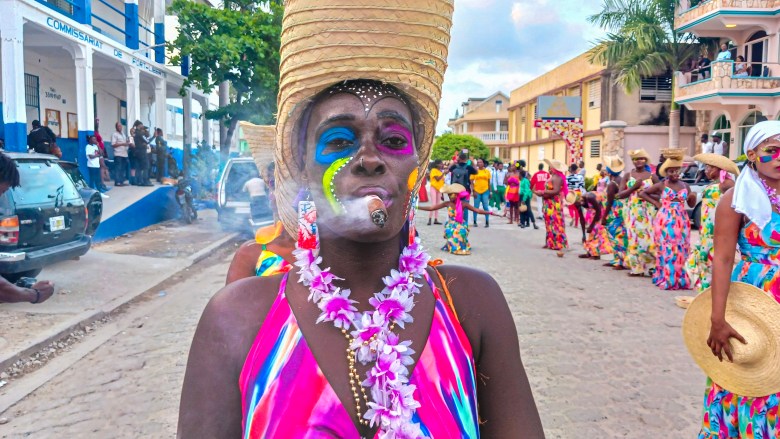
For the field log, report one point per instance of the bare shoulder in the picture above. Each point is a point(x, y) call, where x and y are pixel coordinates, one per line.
point(244, 302)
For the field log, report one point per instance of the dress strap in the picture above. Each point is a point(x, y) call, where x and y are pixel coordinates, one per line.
point(433, 264)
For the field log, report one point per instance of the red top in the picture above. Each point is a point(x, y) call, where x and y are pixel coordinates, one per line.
point(539, 180)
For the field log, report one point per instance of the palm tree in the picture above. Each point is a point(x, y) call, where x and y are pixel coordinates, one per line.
point(641, 42)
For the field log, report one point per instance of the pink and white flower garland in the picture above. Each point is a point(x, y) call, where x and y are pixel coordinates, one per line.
point(392, 402)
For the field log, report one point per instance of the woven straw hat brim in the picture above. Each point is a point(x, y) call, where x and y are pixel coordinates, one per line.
point(615, 164)
point(718, 161)
point(671, 163)
point(639, 154)
point(403, 43)
point(555, 164)
point(454, 188)
point(571, 197)
point(673, 153)
point(261, 140)
point(754, 314)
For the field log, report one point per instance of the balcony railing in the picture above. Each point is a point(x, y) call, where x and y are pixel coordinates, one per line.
point(724, 76)
point(691, 11)
point(492, 136)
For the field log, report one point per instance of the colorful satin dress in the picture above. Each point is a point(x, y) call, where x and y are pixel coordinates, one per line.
point(673, 234)
point(598, 242)
point(456, 234)
point(727, 415)
point(285, 395)
point(638, 217)
point(617, 234)
point(269, 264)
point(554, 224)
point(699, 265)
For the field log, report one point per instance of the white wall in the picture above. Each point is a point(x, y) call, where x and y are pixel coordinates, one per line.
point(57, 90)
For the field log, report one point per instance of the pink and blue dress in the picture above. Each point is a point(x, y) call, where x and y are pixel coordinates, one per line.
point(673, 234)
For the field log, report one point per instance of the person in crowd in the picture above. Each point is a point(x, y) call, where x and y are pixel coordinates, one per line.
point(104, 174)
point(461, 172)
point(132, 162)
point(554, 193)
point(724, 54)
point(41, 138)
point(120, 144)
point(706, 148)
point(703, 67)
point(721, 172)
point(258, 197)
point(456, 228)
point(436, 183)
point(497, 185)
point(614, 213)
point(575, 181)
point(141, 154)
point(581, 169)
point(92, 152)
point(719, 146)
point(526, 194)
point(595, 238)
point(741, 68)
point(639, 214)
point(173, 166)
point(603, 179)
point(672, 225)
point(747, 216)
point(359, 133)
point(269, 254)
point(160, 150)
point(513, 194)
point(539, 183)
point(481, 190)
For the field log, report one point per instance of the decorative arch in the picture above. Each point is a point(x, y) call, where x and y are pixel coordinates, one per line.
point(570, 130)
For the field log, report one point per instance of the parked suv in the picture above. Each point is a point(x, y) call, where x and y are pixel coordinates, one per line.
point(233, 209)
point(41, 222)
point(91, 197)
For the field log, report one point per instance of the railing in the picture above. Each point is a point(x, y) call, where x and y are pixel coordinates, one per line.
point(492, 136)
point(691, 10)
point(755, 76)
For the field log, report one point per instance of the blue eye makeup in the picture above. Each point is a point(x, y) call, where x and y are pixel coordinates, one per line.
point(334, 144)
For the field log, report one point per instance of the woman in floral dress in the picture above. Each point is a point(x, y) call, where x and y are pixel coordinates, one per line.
point(746, 216)
point(613, 214)
point(721, 171)
point(554, 193)
point(672, 226)
point(597, 240)
point(638, 215)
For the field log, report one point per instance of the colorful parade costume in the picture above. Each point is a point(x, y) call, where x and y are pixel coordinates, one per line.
point(699, 264)
point(638, 219)
point(554, 223)
point(728, 415)
point(672, 231)
point(598, 241)
point(270, 264)
point(456, 233)
point(286, 395)
point(618, 236)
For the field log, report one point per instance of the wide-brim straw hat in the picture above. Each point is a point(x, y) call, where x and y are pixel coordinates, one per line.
point(454, 188)
point(670, 163)
point(555, 164)
point(261, 140)
point(752, 313)
point(673, 153)
point(571, 197)
point(639, 154)
point(403, 43)
point(718, 161)
point(614, 164)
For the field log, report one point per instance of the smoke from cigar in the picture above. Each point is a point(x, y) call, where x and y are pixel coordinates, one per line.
point(377, 210)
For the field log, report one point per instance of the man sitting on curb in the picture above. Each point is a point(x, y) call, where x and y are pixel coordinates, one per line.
point(10, 293)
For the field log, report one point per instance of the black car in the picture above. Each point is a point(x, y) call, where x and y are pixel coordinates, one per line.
point(91, 197)
point(43, 221)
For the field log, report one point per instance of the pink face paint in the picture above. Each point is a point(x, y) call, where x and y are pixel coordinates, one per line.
point(396, 139)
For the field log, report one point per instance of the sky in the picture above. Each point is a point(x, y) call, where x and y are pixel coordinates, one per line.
point(499, 45)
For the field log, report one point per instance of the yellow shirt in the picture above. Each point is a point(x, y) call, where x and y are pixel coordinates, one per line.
point(436, 184)
point(481, 181)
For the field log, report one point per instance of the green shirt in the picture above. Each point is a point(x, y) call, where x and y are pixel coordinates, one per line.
point(525, 190)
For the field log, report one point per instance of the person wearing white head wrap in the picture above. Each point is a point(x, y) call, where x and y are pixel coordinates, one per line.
point(749, 197)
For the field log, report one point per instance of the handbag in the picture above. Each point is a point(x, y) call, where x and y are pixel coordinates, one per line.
point(523, 208)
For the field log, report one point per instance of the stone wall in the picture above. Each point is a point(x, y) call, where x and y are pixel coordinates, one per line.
point(721, 79)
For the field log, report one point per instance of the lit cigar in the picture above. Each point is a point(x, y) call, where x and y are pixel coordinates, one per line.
point(377, 210)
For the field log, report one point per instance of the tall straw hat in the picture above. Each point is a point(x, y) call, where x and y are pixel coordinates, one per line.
point(754, 314)
point(614, 163)
point(555, 164)
point(674, 159)
point(454, 188)
point(718, 161)
point(639, 154)
point(403, 43)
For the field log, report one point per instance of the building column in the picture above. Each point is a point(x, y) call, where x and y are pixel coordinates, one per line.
point(159, 31)
point(186, 101)
point(498, 125)
point(614, 135)
point(85, 110)
point(160, 104)
point(12, 61)
point(133, 95)
point(131, 24)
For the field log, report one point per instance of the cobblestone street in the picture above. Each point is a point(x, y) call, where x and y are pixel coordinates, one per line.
point(603, 351)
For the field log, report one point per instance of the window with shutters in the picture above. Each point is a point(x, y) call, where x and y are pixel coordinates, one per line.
point(594, 94)
point(656, 89)
point(574, 91)
point(595, 148)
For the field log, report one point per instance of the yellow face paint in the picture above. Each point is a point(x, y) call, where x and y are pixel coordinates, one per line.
point(328, 184)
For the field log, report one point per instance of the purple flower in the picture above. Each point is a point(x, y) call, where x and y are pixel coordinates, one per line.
point(413, 259)
point(395, 307)
point(393, 344)
point(337, 308)
point(321, 284)
point(387, 369)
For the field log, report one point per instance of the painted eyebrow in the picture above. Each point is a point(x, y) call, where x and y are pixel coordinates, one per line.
point(396, 116)
point(336, 118)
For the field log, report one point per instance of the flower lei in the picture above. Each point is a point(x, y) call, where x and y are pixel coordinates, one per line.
point(392, 403)
point(772, 194)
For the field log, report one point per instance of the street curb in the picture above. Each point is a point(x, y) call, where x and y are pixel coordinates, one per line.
point(88, 317)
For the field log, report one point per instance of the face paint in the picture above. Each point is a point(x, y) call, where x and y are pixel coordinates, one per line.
point(334, 144)
point(328, 187)
point(397, 140)
point(412, 180)
point(773, 152)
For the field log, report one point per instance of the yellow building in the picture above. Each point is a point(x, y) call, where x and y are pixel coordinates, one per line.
point(732, 100)
point(603, 102)
point(486, 119)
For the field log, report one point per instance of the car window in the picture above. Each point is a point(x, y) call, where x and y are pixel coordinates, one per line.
point(41, 182)
point(73, 172)
point(239, 173)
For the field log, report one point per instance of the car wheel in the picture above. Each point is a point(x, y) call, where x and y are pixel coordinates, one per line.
point(13, 277)
point(697, 217)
